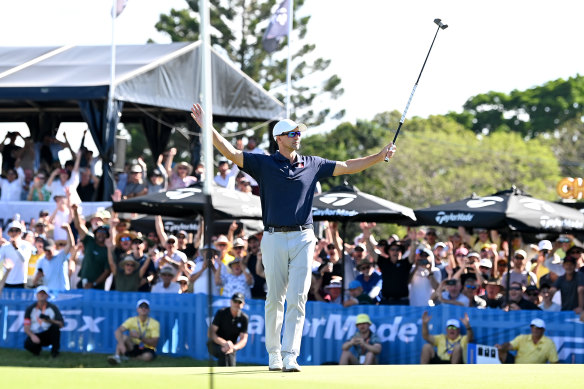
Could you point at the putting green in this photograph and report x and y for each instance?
(321, 377)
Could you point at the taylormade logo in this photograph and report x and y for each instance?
(338, 199)
(443, 217)
(333, 212)
(556, 223)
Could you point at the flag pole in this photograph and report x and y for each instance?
(289, 65)
(110, 96)
(207, 140)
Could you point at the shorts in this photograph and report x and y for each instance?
(436, 360)
(137, 351)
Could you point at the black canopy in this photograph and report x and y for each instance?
(346, 203)
(506, 209)
(190, 202)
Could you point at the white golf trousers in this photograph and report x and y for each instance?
(287, 259)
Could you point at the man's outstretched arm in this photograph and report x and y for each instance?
(351, 166)
(224, 147)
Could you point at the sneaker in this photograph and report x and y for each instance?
(276, 362)
(290, 364)
(114, 359)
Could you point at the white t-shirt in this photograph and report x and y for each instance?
(55, 271)
(461, 298)
(201, 285)
(61, 217)
(20, 259)
(58, 189)
(11, 191)
(173, 287)
(227, 182)
(421, 288)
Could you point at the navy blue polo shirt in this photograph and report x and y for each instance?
(286, 190)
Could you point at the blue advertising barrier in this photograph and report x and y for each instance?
(91, 318)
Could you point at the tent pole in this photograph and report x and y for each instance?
(509, 253)
(344, 232)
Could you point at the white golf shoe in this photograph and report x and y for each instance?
(275, 362)
(290, 364)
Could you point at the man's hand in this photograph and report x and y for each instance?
(465, 320)
(8, 264)
(426, 318)
(388, 151)
(197, 114)
(233, 226)
(35, 339)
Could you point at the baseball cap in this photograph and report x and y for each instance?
(362, 318)
(564, 239)
(453, 322)
(42, 288)
(522, 253)
(142, 301)
(539, 323)
(287, 125)
(14, 224)
(167, 269)
(439, 244)
(544, 245)
(136, 169)
(461, 251)
(486, 263)
(238, 297)
(354, 284)
(239, 243)
(473, 254)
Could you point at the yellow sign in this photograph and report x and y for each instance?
(571, 188)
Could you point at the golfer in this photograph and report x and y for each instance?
(287, 181)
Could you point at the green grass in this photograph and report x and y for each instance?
(318, 377)
(23, 358)
(19, 369)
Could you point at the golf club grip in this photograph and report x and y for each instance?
(394, 139)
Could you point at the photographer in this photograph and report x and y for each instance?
(424, 278)
(449, 293)
(42, 324)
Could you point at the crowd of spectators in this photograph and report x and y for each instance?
(426, 267)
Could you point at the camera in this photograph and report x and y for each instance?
(44, 317)
(423, 262)
(450, 282)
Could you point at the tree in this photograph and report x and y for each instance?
(238, 27)
(541, 109)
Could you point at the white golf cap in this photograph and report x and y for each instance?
(287, 125)
(453, 322)
(14, 224)
(522, 253)
(544, 245)
(142, 301)
(538, 323)
(486, 263)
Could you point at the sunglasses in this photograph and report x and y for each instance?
(470, 287)
(292, 134)
(125, 239)
(515, 288)
(13, 230)
(170, 242)
(452, 328)
(519, 258)
(238, 248)
(394, 249)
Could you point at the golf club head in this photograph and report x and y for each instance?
(440, 24)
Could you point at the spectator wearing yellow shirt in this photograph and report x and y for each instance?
(450, 347)
(532, 348)
(39, 244)
(142, 338)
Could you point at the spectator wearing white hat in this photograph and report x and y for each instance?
(364, 347)
(137, 337)
(18, 251)
(42, 324)
(551, 261)
(518, 273)
(450, 347)
(531, 348)
(424, 278)
(239, 280)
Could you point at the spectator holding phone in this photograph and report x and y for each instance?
(42, 324)
(424, 278)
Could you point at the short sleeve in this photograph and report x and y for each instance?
(515, 342)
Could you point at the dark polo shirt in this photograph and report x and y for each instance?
(286, 190)
(230, 327)
(395, 277)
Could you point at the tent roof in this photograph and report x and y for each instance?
(153, 77)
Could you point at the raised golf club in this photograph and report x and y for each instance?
(441, 26)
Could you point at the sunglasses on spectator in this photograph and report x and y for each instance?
(470, 286)
(515, 288)
(452, 328)
(394, 249)
(364, 267)
(519, 257)
(533, 294)
(291, 134)
(14, 230)
(130, 264)
(61, 244)
(170, 241)
(125, 239)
